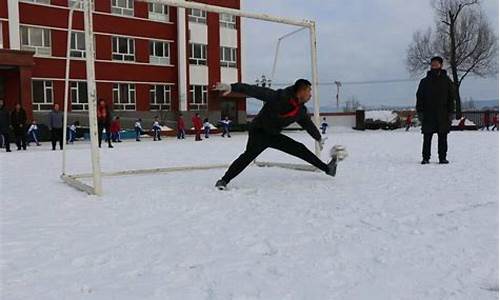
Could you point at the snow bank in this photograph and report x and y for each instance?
(381, 115)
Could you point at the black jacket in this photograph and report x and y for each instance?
(281, 109)
(4, 120)
(435, 102)
(18, 121)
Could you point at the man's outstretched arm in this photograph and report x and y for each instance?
(307, 124)
(254, 91)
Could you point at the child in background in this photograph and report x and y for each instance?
(33, 133)
(156, 130)
(115, 130)
(323, 126)
(225, 126)
(72, 132)
(206, 128)
(138, 129)
(181, 129)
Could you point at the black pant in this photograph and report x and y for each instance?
(442, 145)
(20, 135)
(259, 140)
(57, 135)
(100, 127)
(6, 139)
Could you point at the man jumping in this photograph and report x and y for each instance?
(281, 108)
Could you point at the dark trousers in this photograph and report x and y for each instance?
(197, 134)
(259, 140)
(57, 135)
(6, 139)
(442, 145)
(20, 135)
(100, 127)
(181, 133)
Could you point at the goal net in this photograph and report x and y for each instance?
(91, 182)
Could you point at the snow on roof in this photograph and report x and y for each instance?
(467, 122)
(381, 115)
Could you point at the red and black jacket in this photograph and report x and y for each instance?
(281, 108)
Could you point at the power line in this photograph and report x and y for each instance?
(355, 82)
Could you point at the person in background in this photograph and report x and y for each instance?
(225, 126)
(138, 129)
(461, 123)
(324, 126)
(5, 126)
(72, 132)
(115, 130)
(104, 122)
(409, 120)
(56, 127)
(206, 128)
(495, 122)
(18, 122)
(33, 133)
(197, 124)
(486, 120)
(181, 127)
(156, 130)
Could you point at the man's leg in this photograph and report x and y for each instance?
(442, 145)
(6, 140)
(99, 134)
(53, 138)
(60, 137)
(255, 145)
(426, 147)
(288, 145)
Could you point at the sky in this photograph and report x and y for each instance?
(357, 41)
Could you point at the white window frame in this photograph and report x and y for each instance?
(227, 21)
(78, 103)
(79, 6)
(154, 103)
(195, 103)
(124, 102)
(202, 60)
(231, 60)
(37, 1)
(1, 35)
(47, 102)
(127, 10)
(40, 50)
(77, 49)
(197, 16)
(154, 57)
(158, 12)
(123, 56)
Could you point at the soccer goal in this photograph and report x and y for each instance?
(78, 181)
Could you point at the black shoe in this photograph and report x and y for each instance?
(8, 150)
(425, 161)
(110, 146)
(332, 166)
(221, 185)
(443, 161)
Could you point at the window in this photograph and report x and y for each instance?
(197, 15)
(158, 12)
(228, 57)
(78, 94)
(159, 97)
(159, 53)
(37, 1)
(123, 48)
(79, 4)
(198, 54)
(228, 21)
(199, 97)
(1, 36)
(124, 96)
(36, 39)
(77, 44)
(122, 7)
(42, 95)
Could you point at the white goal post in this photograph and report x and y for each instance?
(96, 175)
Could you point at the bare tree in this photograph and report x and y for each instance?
(462, 36)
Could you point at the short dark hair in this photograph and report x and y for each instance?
(300, 84)
(438, 59)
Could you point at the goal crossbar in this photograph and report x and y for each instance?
(96, 175)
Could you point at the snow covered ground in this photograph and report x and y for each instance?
(384, 228)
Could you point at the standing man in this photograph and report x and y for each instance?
(18, 122)
(104, 122)
(56, 127)
(281, 108)
(5, 126)
(181, 127)
(435, 106)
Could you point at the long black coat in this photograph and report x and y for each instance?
(281, 108)
(4, 120)
(435, 102)
(18, 121)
